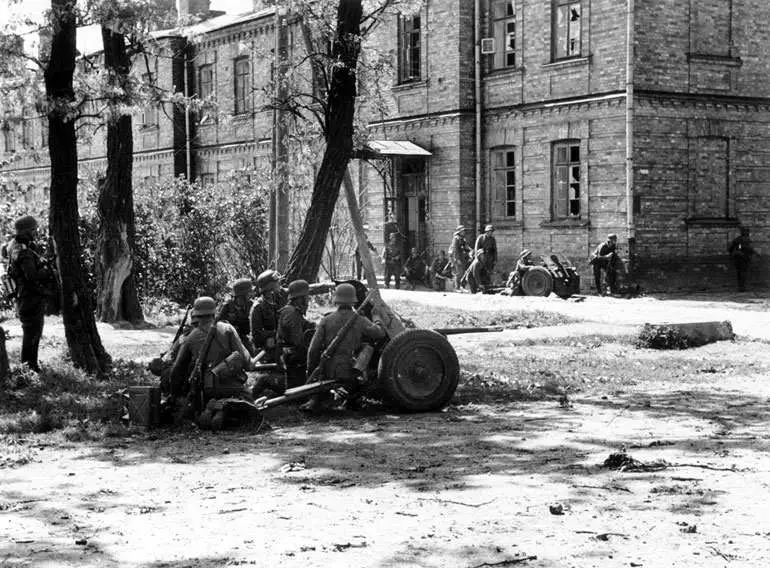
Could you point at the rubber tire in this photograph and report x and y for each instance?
(537, 281)
(398, 360)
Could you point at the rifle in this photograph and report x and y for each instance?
(180, 329)
(327, 354)
(196, 377)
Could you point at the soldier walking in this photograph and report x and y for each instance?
(293, 333)
(35, 281)
(264, 314)
(485, 253)
(459, 253)
(236, 309)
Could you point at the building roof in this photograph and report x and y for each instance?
(214, 24)
(376, 148)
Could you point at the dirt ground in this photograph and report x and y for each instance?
(509, 474)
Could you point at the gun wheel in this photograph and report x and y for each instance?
(418, 371)
(537, 281)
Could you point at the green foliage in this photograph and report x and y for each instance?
(661, 337)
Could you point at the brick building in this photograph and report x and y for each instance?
(556, 136)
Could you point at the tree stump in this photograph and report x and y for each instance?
(684, 335)
(5, 368)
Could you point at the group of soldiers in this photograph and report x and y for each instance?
(273, 331)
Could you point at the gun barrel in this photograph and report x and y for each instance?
(296, 393)
(462, 330)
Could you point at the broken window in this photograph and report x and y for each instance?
(566, 41)
(504, 183)
(566, 180)
(504, 28)
(408, 48)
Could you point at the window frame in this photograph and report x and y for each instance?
(211, 83)
(568, 163)
(502, 14)
(150, 114)
(9, 138)
(560, 53)
(241, 85)
(503, 183)
(409, 48)
(26, 133)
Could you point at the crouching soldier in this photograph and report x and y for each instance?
(294, 332)
(214, 350)
(340, 366)
(523, 264)
(264, 314)
(235, 311)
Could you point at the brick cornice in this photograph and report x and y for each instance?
(555, 107)
(672, 100)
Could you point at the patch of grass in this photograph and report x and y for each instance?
(67, 399)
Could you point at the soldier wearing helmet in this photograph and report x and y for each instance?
(264, 314)
(339, 366)
(486, 258)
(605, 258)
(236, 310)
(523, 264)
(293, 330)
(34, 281)
(224, 345)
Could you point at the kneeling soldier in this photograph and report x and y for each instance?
(340, 366)
(293, 331)
(235, 310)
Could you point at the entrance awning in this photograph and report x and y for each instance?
(384, 148)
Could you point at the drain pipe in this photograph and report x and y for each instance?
(477, 84)
(630, 221)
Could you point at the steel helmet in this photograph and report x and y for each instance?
(203, 306)
(345, 295)
(267, 280)
(298, 289)
(25, 225)
(242, 286)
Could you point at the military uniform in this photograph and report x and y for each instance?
(523, 264)
(392, 258)
(439, 270)
(605, 258)
(263, 317)
(741, 250)
(459, 253)
(486, 256)
(414, 269)
(293, 330)
(34, 282)
(236, 313)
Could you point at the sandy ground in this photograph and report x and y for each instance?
(475, 485)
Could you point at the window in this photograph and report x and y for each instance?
(44, 133)
(565, 33)
(26, 133)
(710, 194)
(206, 82)
(408, 48)
(150, 110)
(566, 180)
(242, 86)
(504, 30)
(503, 183)
(9, 138)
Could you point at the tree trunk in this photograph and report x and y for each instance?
(116, 291)
(306, 258)
(85, 345)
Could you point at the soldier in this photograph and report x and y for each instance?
(414, 268)
(264, 314)
(439, 271)
(391, 256)
(339, 366)
(605, 258)
(236, 311)
(741, 252)
(459, 253)
(523, 264)
(224, 345)
(293, 333)
(485, 253)
(35, 281)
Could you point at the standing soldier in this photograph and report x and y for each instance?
(741, 250)
(605, 258)
(459, 253)
(485, 252)
(236, 309)
(293, 330)
(339, 367)
(34, 281)
(391, 256)
(264, 314)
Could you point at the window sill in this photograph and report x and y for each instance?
(712, 222)
(149, 127)
(405, 85)
(566, 223)
(715, 59)
(504, 72)
(568, 62)
(506, 224)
